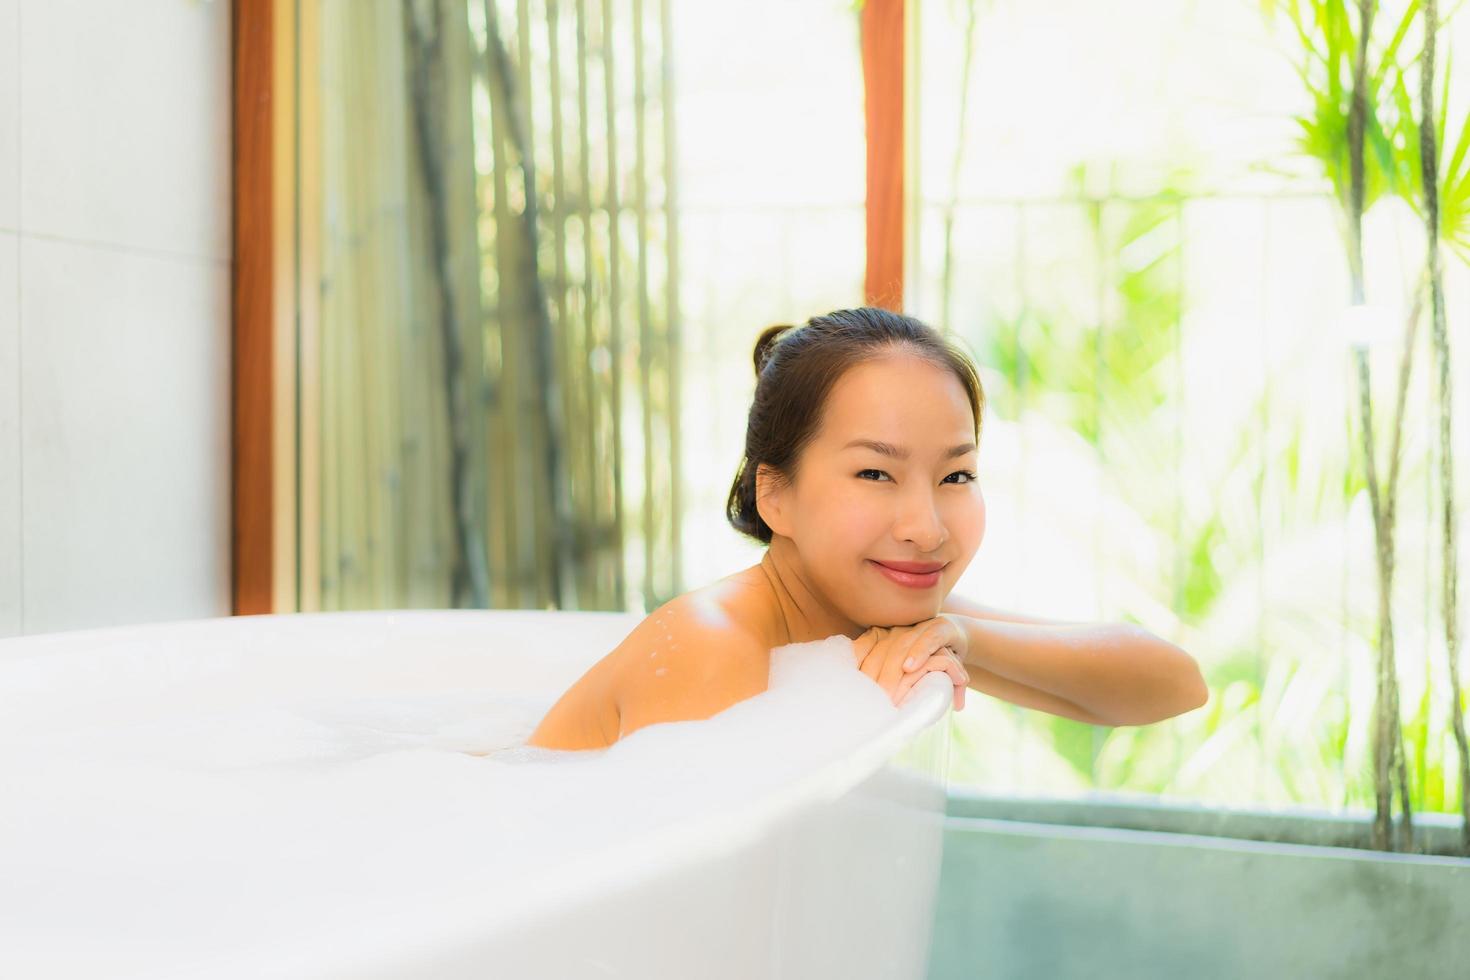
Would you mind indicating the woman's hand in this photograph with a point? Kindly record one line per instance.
(897, 656)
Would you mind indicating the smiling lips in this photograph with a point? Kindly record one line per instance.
(914, 574)
(917, 567)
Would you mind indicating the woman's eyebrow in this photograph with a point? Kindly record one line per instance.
(897, 452)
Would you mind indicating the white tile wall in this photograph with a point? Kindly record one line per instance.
(114, 312)
(9, 439)
(9, 115)
(125, 124)
(125, 436)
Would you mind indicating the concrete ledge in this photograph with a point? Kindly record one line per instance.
(1434, 833)
(1034, 898)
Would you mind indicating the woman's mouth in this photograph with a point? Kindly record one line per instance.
(912, 579)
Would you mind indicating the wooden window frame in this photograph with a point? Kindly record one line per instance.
(890, 111)
(263, 295)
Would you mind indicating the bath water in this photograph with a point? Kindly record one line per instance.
(167, 810)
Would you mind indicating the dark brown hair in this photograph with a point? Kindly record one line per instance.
(795, 369)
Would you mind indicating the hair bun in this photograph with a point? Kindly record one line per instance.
(766, 342)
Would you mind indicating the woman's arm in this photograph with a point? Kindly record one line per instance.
(585, 717)
(1100, 673)
(572, 724)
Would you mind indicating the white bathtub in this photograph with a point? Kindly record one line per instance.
(181, 800)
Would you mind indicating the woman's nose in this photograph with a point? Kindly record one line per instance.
(919, 522)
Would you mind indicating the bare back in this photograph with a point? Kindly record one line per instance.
(691, 658)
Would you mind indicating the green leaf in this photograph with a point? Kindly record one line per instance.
(1388, 59)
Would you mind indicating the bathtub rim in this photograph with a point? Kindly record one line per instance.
(30, 644)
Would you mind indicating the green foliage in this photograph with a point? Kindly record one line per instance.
(1454, 194)
(1453, 163)
(1326, 33)
(1202, 580)
(1074, 741)
(1327, 46)
(1094, 352)
(1112, 375)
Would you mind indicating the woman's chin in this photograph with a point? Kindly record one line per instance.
(890, 614)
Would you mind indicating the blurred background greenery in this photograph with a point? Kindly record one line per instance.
(543, 237)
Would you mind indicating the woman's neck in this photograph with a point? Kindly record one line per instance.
(803, 614)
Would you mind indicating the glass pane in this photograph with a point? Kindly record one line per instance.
(1149, 258)
(537, 238)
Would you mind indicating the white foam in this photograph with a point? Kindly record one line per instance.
(181, 813)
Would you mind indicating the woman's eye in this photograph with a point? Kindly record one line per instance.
(965, 473)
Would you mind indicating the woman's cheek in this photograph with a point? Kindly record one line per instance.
(980, 517)
(968, 524)
(855, 515)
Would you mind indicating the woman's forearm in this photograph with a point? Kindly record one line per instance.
(1119, 672)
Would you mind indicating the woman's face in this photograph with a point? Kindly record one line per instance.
(853, 505)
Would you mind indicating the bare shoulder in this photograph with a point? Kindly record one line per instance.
(690, 658)
(693, 657)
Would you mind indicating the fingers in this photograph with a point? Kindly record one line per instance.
(881, 655)
(916, 645)
(960, 664)
(941, 632)
(945, 660)
(869, 650)
(955, 637)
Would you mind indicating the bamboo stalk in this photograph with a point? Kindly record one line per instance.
(368, 285)
(393, 315)
(426, 52)
(567, 591)
(349, 523)
(311, 277)
(330, 567)
(671, 297)
(594, 552)
(1388, 750)
(523, 530)
(620, 597)
(553, 505)
(462, 216)
(427, 518)
(355, 594)
(499, 494)
(326, 343)
(437, 497)
(519, 99)
(947, 272)
(506, 455)
(1429, 174)
(645, 315)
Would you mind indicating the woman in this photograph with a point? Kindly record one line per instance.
(859, 475)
